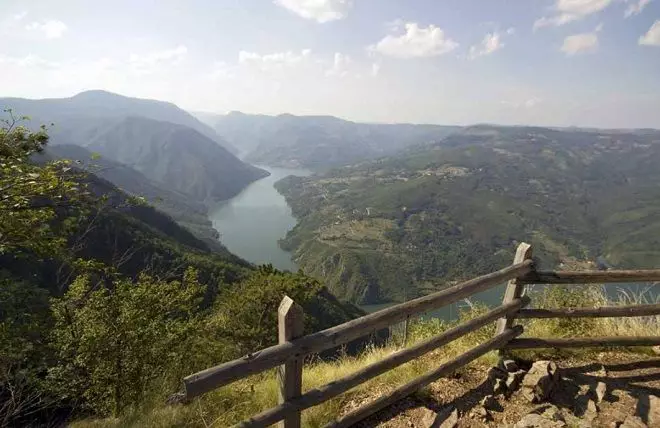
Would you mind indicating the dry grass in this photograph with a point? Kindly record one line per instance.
(231, 404)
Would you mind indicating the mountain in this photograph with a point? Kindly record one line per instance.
(402, 226)
(175, 156)
(319, 141)
(158, 139)
(94, 105)
(186, 211)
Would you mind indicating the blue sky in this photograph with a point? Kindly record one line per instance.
(544, 62)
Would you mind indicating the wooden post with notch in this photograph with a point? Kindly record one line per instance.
(290, 323)
(514, 288)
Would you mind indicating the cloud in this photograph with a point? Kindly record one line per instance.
(339, 66)
(150, 62)
(375, 69)
(652, 37)
(524, 103)
(571, 10)
(29, 61)
(581, 43)
(51, 29)
(417, 42)
(318, 10)
(635, 8)
(511, 31)
(491, 43)
(273, 61)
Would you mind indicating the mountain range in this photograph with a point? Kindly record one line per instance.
(156, 150)
(405, 225)
(317, 142)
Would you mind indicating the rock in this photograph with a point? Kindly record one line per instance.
(508, 365)
(539, 382)
(552, 413)
(176, 398)
(481, 413)
(490, 403)
(656, 350)
(585, 408)
(451, 421)
(633, 422)
(514, 380)
(496, 373)
(499, 387)
(600, 391)
(648, 408)
(534, 420)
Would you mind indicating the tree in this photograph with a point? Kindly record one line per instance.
(114, 341)
(33, 196)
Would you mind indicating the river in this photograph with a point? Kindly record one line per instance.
(251, 223)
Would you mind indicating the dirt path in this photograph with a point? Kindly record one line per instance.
(631, 383)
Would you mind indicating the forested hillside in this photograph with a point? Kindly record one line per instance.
(401, 226)
(149, 148)
(318, 142)
(105, 303)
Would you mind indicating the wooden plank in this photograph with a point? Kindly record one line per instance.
(265, 359)
(602, 312)
(326, 392)
(591, 277)
(514, 288)
(584, 342)
(291, 325)
(411, 387)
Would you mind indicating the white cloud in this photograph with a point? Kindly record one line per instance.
(339, 66)
(581, 43)
(417, 42)
(571, 10)
(19, 16)
(652, 37)
(511, 31)
(524, 103)
(273, 61)
(375, 69)
(319, 10)
(29, 61)
(491, 43)
(151, 61)
(636, 7)
(51, 29)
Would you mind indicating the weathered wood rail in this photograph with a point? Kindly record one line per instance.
(288, 355)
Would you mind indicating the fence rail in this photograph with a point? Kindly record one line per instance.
(288, 355)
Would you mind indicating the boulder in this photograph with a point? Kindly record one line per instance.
(514, 380)
(508, 365)
(648, 407)
(600, 391)
(539, 382)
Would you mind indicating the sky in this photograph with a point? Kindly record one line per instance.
(589, 63)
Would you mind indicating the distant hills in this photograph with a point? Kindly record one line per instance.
(402, 226)
(317, 142)
(160, 149)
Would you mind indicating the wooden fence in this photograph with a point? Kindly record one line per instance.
(288, 355)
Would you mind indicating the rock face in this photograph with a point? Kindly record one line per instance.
(540, 381)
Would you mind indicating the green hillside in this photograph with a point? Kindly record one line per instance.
(401, 226)
(105, 302)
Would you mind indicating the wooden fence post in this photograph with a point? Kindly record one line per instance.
(290, 323)
(514, 287)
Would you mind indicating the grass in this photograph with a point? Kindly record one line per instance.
(231, 404)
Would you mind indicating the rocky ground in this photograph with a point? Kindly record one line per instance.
(620, 390)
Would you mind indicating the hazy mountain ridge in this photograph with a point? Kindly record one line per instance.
(319, 142)
(402, 226)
